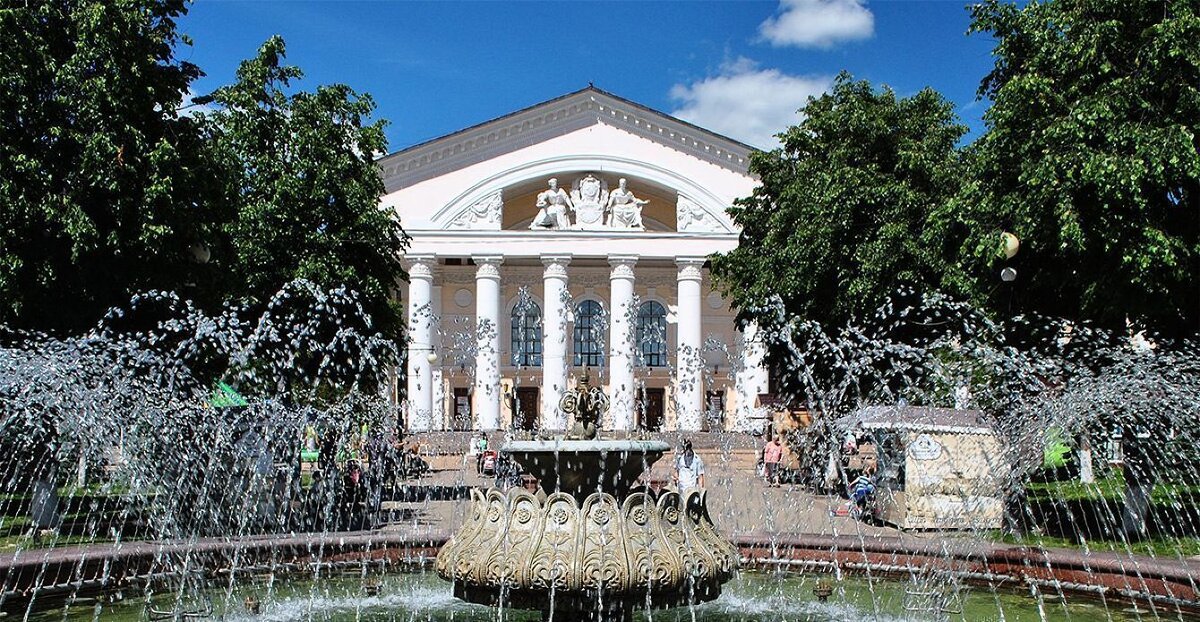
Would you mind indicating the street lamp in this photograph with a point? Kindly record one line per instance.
(432, 356)
(1011, 244)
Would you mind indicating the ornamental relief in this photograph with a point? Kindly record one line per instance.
(691, 218)
(620, 547)
(486, 214)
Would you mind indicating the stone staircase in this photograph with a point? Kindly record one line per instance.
(722, 452)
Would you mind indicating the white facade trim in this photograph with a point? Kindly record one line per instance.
(465, 203)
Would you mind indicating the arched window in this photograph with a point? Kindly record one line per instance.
(589, 334)
(652, 334)
(527, 334)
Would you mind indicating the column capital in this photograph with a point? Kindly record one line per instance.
(690, 268)
(420, 266)
(487, 266)
(556, 265)
(622, 266)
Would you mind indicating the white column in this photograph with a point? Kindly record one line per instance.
(420, 342)
(487, 341)
(554, 339)
(752, 378)
(622, 324)
(689, 392)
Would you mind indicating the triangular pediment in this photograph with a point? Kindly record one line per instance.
(552, 119)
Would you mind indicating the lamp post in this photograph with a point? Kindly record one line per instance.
(421, 399)
(1009, 244)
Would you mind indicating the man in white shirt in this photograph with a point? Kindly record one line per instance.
(689, 469)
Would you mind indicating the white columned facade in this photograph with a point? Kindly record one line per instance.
(487, 341)
(555, 298)
(419, 383)
(689, 395)
(621, 337)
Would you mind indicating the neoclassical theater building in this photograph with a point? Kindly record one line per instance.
(567, 238)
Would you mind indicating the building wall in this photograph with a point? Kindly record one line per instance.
(471, 195)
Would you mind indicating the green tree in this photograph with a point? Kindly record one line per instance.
(849, 208)
(103, 184)
(300, 176)
(1091, 158)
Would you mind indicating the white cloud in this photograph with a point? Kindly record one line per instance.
(818, 23)
(747, 103)
(188, 107)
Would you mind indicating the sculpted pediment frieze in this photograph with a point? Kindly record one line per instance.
(590, 206)
(586, 202)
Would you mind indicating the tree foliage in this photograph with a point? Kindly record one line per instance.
(300, 176)
(1091, 158)
(108, 190)
(104, 186)
(848, 207)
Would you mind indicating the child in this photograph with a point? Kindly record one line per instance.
(861, 490)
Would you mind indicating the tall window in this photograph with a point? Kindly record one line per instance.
(589, 334)
(652, 334)
(527, 334)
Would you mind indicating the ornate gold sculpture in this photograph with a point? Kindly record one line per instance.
(586, 404)
(514, 549)
(594, 543)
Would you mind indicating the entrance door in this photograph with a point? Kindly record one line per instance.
(526, 412)
(651, 404)
(462, 409)
(714, 413)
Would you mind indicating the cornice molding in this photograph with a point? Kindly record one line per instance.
(554, 118)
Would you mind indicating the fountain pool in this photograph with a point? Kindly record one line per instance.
(752, 596)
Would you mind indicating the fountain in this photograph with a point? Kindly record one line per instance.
(125, 493)
(590, 542)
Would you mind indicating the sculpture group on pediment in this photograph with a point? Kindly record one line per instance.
(592, 203)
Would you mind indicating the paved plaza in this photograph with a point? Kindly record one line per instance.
(739, 502)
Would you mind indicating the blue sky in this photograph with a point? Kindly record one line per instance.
(739, 68)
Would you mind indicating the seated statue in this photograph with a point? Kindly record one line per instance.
(625, 209)
(553, 205)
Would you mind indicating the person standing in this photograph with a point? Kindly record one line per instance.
(327, 456)
(479, 446)
(689, 469)
(772, 456)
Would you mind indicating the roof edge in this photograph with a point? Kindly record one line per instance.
(563, 114)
